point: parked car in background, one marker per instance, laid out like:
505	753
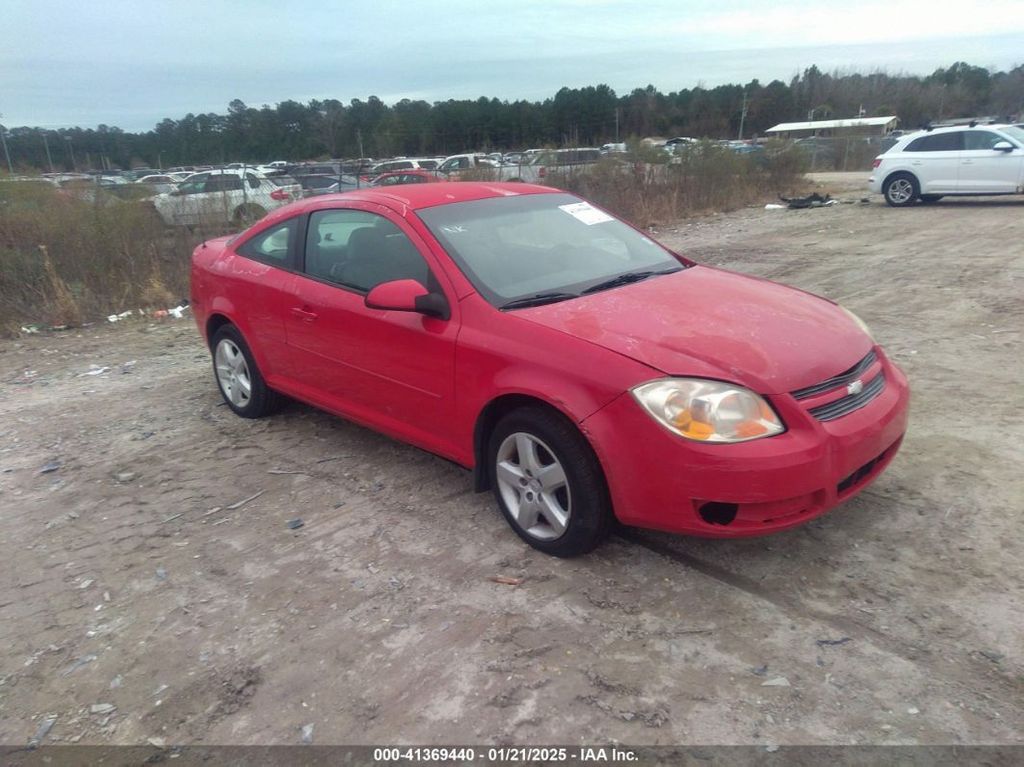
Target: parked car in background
955	160
159	183
223	196
322	184
396	178
534	339
458	164
403	163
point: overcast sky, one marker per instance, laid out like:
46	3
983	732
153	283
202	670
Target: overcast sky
131	63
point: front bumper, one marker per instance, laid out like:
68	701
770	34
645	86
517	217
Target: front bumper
659	480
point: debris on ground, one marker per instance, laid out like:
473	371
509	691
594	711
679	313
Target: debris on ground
102	708
992	655
813	200
161	574
832	642
307	733
778	681
49	467
116	682
507	580
156	742
760	670
774	206
125	476
295	524
42	731
95	370
83	661
913	710
244	501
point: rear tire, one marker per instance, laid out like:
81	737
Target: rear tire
239	379
247	214
901	189
548	482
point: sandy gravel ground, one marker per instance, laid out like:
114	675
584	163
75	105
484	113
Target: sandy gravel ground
150	588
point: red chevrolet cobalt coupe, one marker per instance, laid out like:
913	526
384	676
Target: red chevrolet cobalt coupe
580	369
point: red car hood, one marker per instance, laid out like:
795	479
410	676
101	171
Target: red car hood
712	323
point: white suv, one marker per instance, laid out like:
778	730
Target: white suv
221	196
954	160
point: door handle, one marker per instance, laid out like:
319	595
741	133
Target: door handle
304	314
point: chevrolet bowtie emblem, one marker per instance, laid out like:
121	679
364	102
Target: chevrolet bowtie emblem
856	387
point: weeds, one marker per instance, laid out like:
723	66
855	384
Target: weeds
702	177
67	258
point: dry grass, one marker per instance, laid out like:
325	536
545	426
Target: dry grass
68	258
705	177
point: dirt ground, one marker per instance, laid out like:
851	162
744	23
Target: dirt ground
147	570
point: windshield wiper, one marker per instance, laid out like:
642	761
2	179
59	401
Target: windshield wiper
538	300
628	277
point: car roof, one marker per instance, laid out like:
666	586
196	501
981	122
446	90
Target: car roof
950	128
419	196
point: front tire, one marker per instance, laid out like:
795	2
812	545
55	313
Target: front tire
901	189
239	379
548	483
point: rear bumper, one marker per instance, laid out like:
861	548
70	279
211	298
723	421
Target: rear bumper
659	480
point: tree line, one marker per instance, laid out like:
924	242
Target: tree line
586	116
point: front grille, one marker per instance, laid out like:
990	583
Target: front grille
849	403
840	380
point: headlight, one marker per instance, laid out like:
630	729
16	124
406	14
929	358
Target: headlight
708	411
858	322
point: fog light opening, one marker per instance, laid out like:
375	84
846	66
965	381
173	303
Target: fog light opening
718	513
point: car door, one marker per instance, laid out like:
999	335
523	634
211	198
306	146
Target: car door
987	170
183	202
392	370
935	161
258	285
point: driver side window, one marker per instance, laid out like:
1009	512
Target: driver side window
360	250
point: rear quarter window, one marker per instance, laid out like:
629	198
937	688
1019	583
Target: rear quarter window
937	142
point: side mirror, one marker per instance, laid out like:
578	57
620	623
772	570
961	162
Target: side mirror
1003	146
407	296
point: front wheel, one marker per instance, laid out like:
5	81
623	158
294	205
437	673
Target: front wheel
900	190
548	482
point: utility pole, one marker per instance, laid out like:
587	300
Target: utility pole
359	138
7	153
743	115
46	145
71	151
616	125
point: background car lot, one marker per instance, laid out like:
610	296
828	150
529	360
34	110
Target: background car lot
894	619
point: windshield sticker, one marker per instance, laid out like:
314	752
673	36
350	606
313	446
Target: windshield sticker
587	213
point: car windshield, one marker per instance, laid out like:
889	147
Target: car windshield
1014	132
517	247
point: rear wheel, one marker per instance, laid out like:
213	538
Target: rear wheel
900	190
548	482
238	378
247	214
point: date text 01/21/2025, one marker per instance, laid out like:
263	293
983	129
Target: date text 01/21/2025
504	754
